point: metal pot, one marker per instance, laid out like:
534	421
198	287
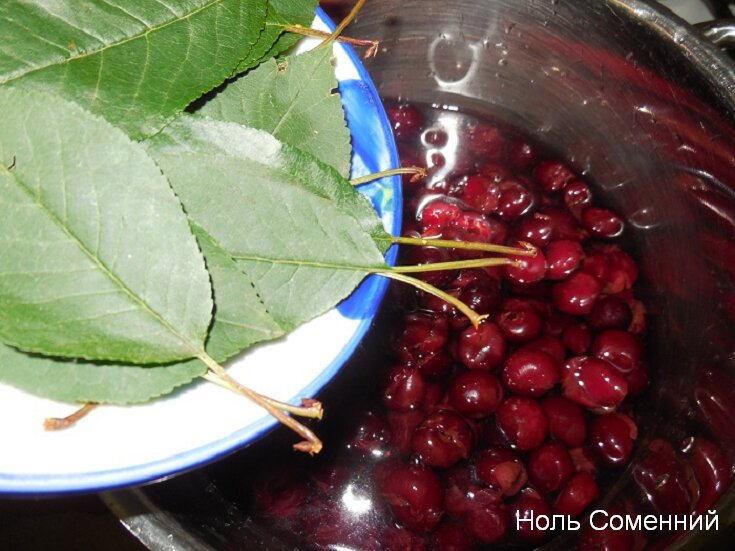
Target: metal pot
644	106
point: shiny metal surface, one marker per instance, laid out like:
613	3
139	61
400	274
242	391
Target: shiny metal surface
642	104
645	107
720	33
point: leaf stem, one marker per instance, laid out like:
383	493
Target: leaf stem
311	409
473	316
527	250
417	172
371	45
453	265
343	24
311	443
59	423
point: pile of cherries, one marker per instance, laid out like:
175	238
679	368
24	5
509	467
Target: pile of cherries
525	414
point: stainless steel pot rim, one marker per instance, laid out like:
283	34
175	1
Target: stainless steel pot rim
710	61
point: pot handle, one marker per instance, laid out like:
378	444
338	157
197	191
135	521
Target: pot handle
720	31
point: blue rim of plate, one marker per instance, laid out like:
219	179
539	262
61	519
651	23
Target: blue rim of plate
386	197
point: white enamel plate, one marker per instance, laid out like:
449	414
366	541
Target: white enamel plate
121	446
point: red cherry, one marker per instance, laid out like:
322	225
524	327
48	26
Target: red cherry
577	294
549	467
442	439
611	437
523	422
415	496
531	269
552	175
593	383
475	393
577	494
501	469
566	421
482	347
530	373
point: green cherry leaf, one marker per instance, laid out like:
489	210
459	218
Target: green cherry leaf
98	260
135	62
302	233
240	320
273	41
295	101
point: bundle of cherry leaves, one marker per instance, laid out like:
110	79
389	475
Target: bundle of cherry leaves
143	240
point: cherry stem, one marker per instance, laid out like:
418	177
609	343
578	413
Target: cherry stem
311	409
346	21
454	265
473	316
417	172
311	443
59	423
371	45
527	250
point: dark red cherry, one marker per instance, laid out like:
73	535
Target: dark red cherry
526	507
531	269
549	467
480	193
519	321
552	175
593	383
530	373
520	154
566	421
405	120
405	389
578	493
577	338
523	422
535	229
563	257
577	294
475	393
487	520
619	348
602	222
442	439
371	437
415	496
577	195
419	335
482	347
515	200
486	142
610	313
501	469
612	437
438	215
